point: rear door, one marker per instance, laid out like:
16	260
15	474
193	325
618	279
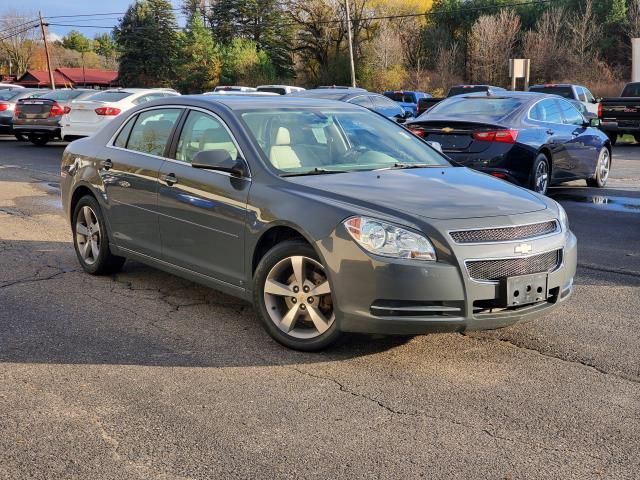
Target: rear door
130	175
203	212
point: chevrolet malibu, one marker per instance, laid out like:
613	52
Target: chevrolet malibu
327	216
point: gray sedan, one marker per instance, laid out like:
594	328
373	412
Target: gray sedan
329	217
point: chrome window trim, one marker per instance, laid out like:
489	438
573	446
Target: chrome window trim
110	143
555	232
497	282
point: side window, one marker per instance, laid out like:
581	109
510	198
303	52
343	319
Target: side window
362	100
580	93
123	136
588	95
203	132
546	111
147	98
387	107
570	114
151	131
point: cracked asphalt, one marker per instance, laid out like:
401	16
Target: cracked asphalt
143	375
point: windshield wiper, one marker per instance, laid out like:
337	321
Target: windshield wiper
315	171
402	166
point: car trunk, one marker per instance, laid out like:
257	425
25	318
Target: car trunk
83	111
35	108
455	136
621	108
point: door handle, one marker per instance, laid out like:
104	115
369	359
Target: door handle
107	164
170	179
550	132
575	133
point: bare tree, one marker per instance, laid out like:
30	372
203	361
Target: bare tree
584	30
545	46
632	24
492	42
17	40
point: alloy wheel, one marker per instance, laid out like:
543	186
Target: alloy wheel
603	166
88	235
297	296
541	178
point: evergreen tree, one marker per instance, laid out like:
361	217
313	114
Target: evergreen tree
75	40
200	58
147	41
104	45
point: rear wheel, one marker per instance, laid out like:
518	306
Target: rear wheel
39	140
603	166
91	240
540	174
636	137
20	137
292	293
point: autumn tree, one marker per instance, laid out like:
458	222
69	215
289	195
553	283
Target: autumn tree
200	61
17	42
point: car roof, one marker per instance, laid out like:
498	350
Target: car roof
332	93
529	96
543	85
241	102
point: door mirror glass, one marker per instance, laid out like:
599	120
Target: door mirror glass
220	160
594	122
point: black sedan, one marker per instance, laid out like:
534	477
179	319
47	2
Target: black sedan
359	96
533	140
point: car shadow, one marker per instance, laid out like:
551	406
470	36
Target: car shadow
54	313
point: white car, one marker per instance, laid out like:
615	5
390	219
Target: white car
279	89
88	116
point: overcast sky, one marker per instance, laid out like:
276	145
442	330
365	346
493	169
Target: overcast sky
50	8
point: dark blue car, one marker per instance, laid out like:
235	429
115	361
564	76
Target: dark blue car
407	99
530	139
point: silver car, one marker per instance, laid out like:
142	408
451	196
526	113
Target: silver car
328	217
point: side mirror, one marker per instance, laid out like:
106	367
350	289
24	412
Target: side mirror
594	122
219	160
408	114
591	120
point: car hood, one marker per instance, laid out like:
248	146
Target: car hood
437	193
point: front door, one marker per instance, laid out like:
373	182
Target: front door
130	170
203	212
583	147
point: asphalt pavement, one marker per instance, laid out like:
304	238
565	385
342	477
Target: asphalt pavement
145	375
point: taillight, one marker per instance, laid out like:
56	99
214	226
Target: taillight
56	110
4	106
499	136
600	110
418	132
67	109
107	111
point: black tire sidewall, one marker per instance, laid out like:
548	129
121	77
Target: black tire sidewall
102	264
596	180
541	157
39	140
279	252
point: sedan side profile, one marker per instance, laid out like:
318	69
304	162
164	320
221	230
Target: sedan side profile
328	217
530	139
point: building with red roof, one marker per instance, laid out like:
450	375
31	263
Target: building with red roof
70	77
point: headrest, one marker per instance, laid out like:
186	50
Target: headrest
283	137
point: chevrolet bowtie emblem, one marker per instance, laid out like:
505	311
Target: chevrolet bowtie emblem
523	248
447	129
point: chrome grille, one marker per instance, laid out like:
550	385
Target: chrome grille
505	234
491	270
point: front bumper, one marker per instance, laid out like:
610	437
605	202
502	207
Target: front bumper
389	296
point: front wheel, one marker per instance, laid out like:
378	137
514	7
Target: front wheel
603	167
91	240
292	294
20	137
39	140
540	175
613	138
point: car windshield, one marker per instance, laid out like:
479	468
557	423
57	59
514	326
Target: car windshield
631	90
10	94
318	141
278	90
63	94
565	92
493	108
109	96
400	97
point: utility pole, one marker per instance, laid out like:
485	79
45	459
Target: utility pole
353	69
46	51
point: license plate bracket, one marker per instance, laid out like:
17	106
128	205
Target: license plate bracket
524	289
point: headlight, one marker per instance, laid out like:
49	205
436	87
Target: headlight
382	238
564	219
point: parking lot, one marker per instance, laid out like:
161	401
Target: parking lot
145	375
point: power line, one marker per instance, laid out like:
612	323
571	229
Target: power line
13	27
15	34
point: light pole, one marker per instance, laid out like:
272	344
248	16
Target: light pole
353	69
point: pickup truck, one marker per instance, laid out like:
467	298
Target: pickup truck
620	115
426	103
408	100
570	91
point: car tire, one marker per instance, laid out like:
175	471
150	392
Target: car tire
540	175
283	293
91	239
603	167
39	140
613	138
20	137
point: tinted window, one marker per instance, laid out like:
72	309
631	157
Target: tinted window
401	97
546	111
631	90
482	106
468	89
63	94
565	92
123	136
109	96
152	130
278	90
362	100
386	107
203	132
570	114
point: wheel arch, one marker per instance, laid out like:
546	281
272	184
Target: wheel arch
271	237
